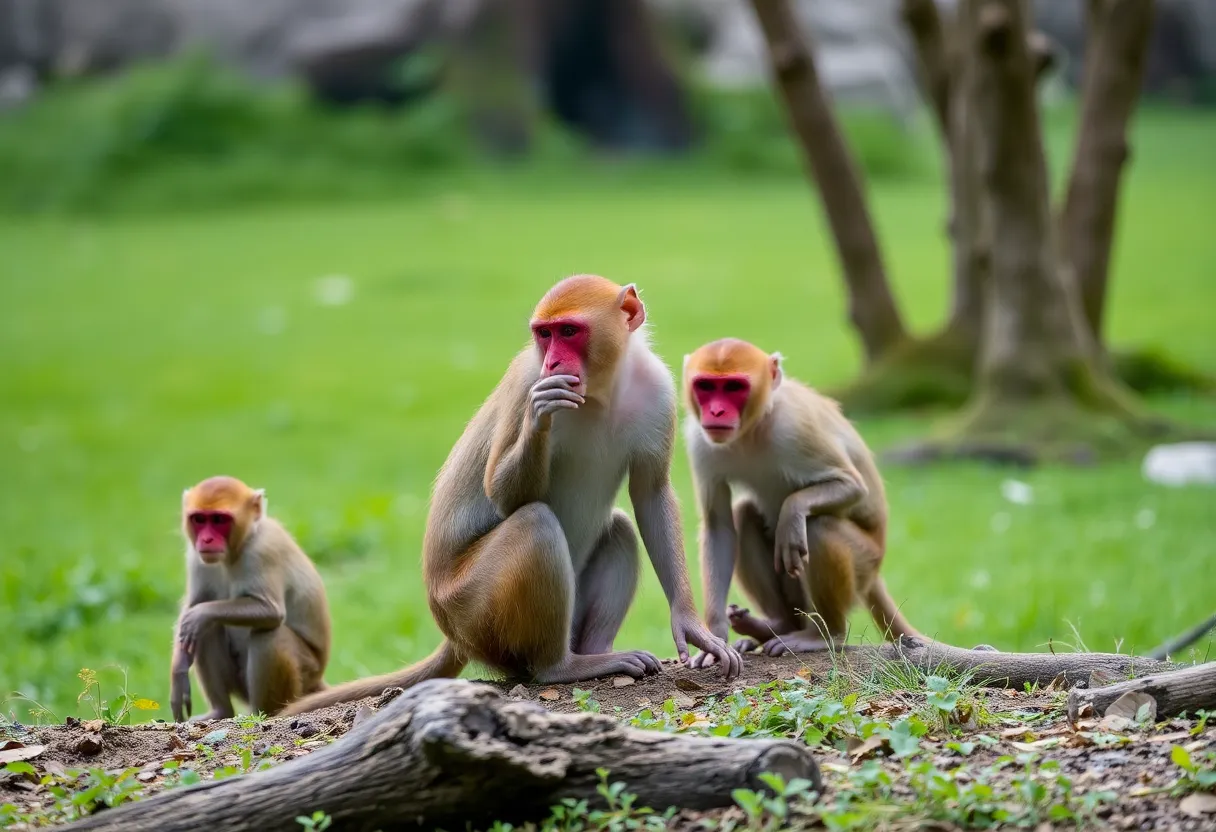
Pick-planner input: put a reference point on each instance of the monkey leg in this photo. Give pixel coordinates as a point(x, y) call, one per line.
point(778, 596)
point(838, 553)
point(606, 587)
point(510, 604)
point(217, 663)
point(280, 667)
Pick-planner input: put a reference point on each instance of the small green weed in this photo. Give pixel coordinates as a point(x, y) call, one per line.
point(318, 820)
point(1196, 774)
point(771, 811)
point(575, 815)
point(118, 710)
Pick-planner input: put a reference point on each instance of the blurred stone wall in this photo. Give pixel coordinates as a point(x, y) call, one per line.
point(862, 49)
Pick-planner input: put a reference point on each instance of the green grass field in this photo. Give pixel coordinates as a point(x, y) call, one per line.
point(142, 354)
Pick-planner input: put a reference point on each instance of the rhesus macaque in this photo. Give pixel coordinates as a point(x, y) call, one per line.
point(528, 566)
point(807, 538)
point(255, 621)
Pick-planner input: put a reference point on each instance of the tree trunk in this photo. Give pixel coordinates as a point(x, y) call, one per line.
point(450, 752)
point(1116, 50)
point(872, 307)
point(1039, 381)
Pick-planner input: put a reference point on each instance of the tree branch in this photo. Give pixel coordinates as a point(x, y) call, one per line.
point(450, 752)
point(871, 305)
point(1116, 53)
point(1174, 645)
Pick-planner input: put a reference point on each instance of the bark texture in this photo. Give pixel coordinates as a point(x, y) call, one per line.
point(1182, 690)
point(450, 752)
point(834, 171)
point(1031, 343)
point(1015, 670)
point(1116, 51)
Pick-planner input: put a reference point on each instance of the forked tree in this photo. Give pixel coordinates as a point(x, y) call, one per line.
point(1021, 348)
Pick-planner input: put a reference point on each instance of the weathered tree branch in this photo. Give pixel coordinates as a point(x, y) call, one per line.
point(1116, 53)
point(1182, 690)
point(450, 752)
point(1015, 670)
point(1163, 651)
point(924, 22)
point(871, 305)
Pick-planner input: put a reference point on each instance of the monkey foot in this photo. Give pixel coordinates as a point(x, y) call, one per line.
point(802, 642)
point(211, 716)
point(576, 668)
point(745, 624)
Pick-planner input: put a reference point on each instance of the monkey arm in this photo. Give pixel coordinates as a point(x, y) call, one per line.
point(838, 491)
point(517, 472)
point(658, 516)
point(255, 612)
point(718, 544)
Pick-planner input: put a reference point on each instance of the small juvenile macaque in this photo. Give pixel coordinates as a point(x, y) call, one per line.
point(806, 539)
point(255, 622)
point(529, 567)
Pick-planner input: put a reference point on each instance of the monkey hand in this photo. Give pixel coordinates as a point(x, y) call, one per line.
point(179, 694)
point(688, 629)
point(551, 394)
point(719, 628)
point(792, 549)
point(190, 629)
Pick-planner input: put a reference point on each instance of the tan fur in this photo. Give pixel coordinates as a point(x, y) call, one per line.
point(528, 567)
point(261, 614)
point(795, 461)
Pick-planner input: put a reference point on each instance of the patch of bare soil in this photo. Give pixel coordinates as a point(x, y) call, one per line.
point(1136, 765)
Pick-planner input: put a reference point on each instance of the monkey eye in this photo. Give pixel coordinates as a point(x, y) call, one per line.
point(734, 386)
point(569, 331)
point(198, 518)
point(544, 332)
point(704, 385)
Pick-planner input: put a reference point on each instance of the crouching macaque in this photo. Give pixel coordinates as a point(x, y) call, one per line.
point(528, 566)
point(255, 622)
point(807, 538)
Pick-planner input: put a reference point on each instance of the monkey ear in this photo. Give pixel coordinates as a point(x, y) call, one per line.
point(774, 362)
point(185, 496)
point(632, 306)
point(259, 503)
point(687, 358)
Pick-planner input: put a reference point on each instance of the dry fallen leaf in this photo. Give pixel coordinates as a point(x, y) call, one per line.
point(1116, 724)
point(518, 692)
point(94, 725)
point(1058, 683)
point(860, 750)
point(363, 713)
point(549, 695)
point(22, 752)
point(1198, 804)
point(1136, 706)
point(1021, 731)
point(146, 776)
point(623, 681)
point(7, 744)
point(803, 673)
point(1174, 737)
point(1037, 745)
point(176, 742)
point(1100, 678)
point(683, 701)
point(1086, 710)
point(1011, 693)
point(688, 685)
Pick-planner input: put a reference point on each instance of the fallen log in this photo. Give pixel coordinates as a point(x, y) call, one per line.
point(1186, 690)
point(993, 668)
point(449, 752)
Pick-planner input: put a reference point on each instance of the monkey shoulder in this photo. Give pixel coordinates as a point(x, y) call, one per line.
point(645, 405)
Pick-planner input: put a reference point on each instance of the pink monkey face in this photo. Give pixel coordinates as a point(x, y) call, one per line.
point(210, 531)
point(563, 348)
point(721, 399)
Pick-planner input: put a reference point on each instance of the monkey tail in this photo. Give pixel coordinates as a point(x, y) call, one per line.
point(444, 663)
point(886, 615)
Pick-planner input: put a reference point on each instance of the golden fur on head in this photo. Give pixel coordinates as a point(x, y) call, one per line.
point(577, 295)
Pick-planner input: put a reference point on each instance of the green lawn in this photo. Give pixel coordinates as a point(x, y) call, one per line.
point(140, 355)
